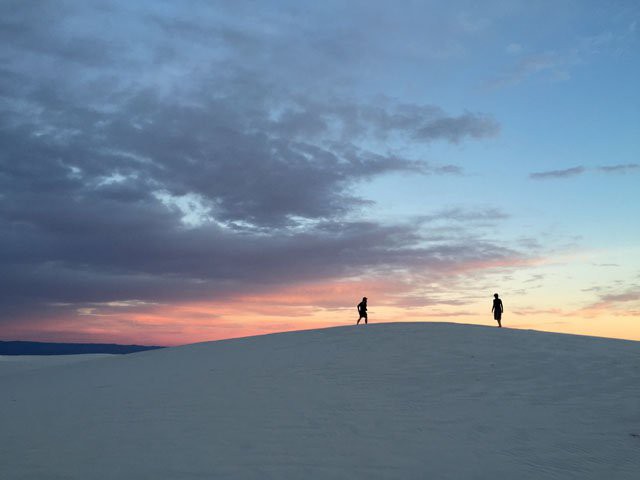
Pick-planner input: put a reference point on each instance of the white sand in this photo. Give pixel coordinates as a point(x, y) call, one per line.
point(405, 401)
point(10, 364)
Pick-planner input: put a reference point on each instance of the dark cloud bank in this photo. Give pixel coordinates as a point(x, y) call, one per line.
point(159, 157)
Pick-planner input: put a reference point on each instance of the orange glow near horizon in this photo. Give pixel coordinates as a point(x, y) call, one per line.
point(310, 306)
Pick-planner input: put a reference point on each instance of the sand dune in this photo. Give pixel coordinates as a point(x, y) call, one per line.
point(441, 401)
point(12, 364)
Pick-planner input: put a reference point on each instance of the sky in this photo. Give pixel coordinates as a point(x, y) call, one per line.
point(174, 172)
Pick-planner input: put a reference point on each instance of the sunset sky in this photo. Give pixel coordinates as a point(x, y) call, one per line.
point(173, 172)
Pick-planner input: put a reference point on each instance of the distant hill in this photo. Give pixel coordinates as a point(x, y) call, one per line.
point(43, 348)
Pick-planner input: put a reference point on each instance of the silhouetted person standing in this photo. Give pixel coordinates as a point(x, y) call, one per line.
point(362, 310)
point(497, 309)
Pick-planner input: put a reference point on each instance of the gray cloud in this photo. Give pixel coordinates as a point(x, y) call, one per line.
point(151, 155)
point(631, 295)
point(466, 215)
point(425, 123)
point(579, 170)
point(566, 173)
point(626, 168)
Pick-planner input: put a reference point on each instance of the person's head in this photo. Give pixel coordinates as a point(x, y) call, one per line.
point(364, 299)
point(495, 295)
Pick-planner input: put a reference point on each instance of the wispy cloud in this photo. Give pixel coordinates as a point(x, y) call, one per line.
point(616, 299)
point(553, 65)
point(623, 169)
point(550, 174)
point(631, 295)
point(557, 64)
point(464, 215)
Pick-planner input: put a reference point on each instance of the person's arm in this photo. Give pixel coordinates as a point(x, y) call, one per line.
point(501, 307)
point(493, 307)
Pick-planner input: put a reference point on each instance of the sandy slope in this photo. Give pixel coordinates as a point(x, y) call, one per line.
point(403, 401)
point(11, 364)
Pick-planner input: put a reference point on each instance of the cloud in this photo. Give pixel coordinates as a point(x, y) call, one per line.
point(623, 169)
point(196, 154)
point(616, 299)
point(381, 120)
point(566, 173)
point(455, 129)
point(448, 170)
point(630, 295)
point(534, 279)
point(579, 170)
point(465, 215)
point(553, 65)
point(615, 39)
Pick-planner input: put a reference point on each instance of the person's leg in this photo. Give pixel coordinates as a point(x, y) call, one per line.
point(365, 320)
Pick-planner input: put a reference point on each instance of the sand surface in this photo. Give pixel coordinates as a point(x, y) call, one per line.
point(405, 401)
point(10, 364)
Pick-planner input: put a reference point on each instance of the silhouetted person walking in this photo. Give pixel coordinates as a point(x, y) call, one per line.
point(497, 309)
point(362, 310)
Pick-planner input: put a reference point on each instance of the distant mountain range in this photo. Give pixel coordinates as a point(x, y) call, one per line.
point(42, 348)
